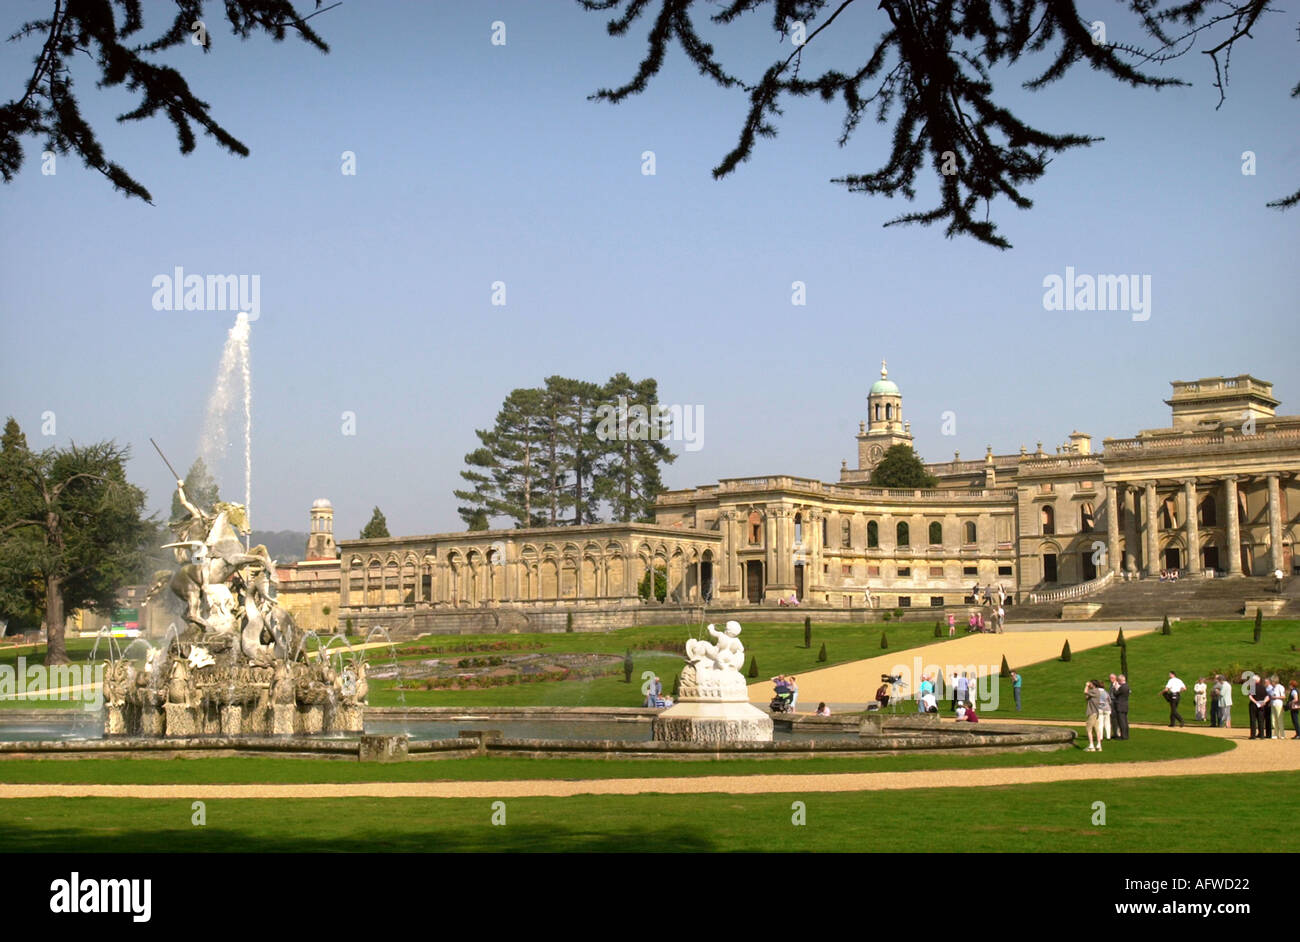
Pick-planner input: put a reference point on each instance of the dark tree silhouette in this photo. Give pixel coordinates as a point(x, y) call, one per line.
point(929, 71)
point(109, 33)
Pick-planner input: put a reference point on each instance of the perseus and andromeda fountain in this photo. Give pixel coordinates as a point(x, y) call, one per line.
point(235, 664)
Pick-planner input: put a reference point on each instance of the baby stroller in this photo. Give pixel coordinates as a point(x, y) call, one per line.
point(783, 702)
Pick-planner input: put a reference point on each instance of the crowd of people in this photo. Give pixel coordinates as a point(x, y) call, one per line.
point(1106, 705)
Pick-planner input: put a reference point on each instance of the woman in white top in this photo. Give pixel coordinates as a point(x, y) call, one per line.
point(1200, 690)
point(1225, 703)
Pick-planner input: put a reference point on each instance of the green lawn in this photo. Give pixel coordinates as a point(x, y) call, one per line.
point(1054, 689)
point(1152, 815)
point(1146, 744)
point(777, 647)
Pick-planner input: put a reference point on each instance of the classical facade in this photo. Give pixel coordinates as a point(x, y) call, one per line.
point(1216, 492)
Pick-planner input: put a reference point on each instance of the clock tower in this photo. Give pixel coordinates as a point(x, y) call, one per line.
point(884, 427)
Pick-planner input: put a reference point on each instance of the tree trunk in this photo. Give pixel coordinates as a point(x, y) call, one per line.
point(56, 651)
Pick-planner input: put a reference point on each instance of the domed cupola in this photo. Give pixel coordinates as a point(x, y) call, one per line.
point(884, 427)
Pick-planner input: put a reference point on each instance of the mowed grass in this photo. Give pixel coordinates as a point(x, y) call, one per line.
point(778, 648)
point(1148, 815)
point(1054, 689)
point(1146, 745)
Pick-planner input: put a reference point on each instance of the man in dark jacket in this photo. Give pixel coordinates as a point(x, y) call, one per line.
point(1119, 698)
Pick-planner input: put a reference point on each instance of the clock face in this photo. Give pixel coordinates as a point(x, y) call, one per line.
point(876, 453)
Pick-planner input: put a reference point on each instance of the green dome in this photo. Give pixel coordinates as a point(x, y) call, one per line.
point(883, 386)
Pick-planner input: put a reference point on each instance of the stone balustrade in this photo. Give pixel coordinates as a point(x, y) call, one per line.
point(1069, 593)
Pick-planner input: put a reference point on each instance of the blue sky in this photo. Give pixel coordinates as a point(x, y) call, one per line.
point(479, 163)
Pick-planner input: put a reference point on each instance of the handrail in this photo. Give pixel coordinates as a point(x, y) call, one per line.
point(1069, 593)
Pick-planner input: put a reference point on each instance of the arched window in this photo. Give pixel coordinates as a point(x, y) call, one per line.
point(846, 533)
point(825, 532)
point(877, 412)
point(889, 410)
point(1209, 512)
point(873, 534)
point(1086, 517)
point(755, 527)
point(936, 533)
point(1049, 520)
point(903, 539)
point(970, 531)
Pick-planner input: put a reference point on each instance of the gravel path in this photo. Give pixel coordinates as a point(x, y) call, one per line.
point(856, 682)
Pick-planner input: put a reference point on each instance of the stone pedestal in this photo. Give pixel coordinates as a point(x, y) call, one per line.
point(282, 719)
point(311, 719)
point(181, 720)
point(712, 721)
point(383, 749)
point(151, 720)
point(350, 719)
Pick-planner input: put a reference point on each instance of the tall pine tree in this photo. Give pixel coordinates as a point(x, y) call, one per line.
point(200, 488)
point(627, 472)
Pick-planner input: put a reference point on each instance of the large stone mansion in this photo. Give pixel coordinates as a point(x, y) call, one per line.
point(1215, 493)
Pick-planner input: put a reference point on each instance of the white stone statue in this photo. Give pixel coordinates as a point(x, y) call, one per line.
point(714, 668)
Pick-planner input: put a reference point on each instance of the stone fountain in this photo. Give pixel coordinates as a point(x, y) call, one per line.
point(713, 706)
point(238, 667)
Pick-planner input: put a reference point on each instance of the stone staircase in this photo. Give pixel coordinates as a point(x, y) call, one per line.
point(1188, 597)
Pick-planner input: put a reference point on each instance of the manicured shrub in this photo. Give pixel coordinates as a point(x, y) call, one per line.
point(1119, 641)
point(807, 632)
point(1164, 628)
point(884, 642)
point(1123, 660)
point(1006, 668)
point(1065, 651)
point(627, 667)
point(568, 622)
point(1259, 624)
point(938, 629)
point(753, 667)
point(821, 655)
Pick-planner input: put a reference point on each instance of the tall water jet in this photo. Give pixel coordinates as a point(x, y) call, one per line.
point(233, 388)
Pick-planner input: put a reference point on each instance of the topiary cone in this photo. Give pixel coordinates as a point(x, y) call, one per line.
point(884, 642)
point(1065, 650)
point(938, 629)
point(807, 631)
point(1006, 669)
point(1259, 624)
point(1164, 628)
point(821, 655)
point(753, 666)
point(1119, 641)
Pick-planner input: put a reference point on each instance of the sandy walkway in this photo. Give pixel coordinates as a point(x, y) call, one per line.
point(856, 682)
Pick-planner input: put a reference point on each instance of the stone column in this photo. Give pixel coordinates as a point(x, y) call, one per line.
point(1129, 497)
point(1153, 531)
point(1274, 524)
point(1193, 533)
point(1112, 529)
point(1232, 525)
point(345, 582)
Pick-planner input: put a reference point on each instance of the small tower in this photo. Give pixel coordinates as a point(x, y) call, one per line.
point(320, 542)
point(885, 426)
